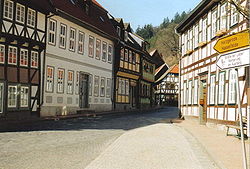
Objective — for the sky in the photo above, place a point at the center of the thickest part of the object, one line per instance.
(141, 12)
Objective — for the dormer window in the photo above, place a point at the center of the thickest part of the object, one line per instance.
(118, 30)
(126, 36)
(87, 9)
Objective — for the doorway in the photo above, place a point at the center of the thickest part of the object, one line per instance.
(83, 90)
(203, 102)
(1, 97)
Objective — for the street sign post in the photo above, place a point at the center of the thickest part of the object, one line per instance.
(235, 59)
(231, 60)
(232, 42)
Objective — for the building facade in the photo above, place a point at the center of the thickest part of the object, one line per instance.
(79, 59)
(207, 92)
(167, 85)
(126, 68)
(22, 46)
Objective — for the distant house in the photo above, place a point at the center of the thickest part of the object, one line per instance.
(167, 85)
(22, 49)
(157, 57)
(127, 68)
(79, 59)
(208, 93)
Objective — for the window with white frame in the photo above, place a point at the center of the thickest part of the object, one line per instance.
(12, 96)
(62, 36)
(12, 55)
(98, 49)
(104, 51)
(52, 32)
(223, 11)
(1, 97)
(102, 90)
(118, 30)
(190, 87)
(90, 84)
(127, 87)
(214, 25)
(91, 46)
(221, 97)
(200, 31)
(108, 89)
(196, 38)
(195, 100)
(81, 38)
(212, 89)
(34, 59)
(77, 83)
(23, 57)
(126, 36)
(185, 93)
(20, 13)
(24, 96)
(8, 9)
(72, 39)
(204, 30)
(2, 53)
(60, 80)
(96, 86)
(50, 79)
(70, 82)
(110, 53)
(232, 87)
(31, 17)
(234, 15)
(126, 55)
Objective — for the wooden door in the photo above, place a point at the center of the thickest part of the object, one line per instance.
(83, 90)
(204, 107)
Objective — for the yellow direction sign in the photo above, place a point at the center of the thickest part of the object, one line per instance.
(232, 42)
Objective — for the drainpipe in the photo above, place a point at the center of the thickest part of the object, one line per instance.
(179, 87)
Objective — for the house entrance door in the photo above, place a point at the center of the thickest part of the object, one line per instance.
(1, 97)
(83, 90)
(203, 102)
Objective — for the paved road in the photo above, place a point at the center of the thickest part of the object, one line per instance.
(77, 143)
(68, 143)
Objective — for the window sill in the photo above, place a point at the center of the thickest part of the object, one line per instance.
(201, 44)
(189, 52)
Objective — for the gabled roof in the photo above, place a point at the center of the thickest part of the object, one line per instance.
(127, 27)
(157, 57)
(97, 19)
(96, 3)
(162, 73)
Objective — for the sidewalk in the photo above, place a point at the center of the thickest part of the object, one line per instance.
(159, 146)
(225, 150)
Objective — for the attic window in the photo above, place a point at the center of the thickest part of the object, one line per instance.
(102, 19)
(73, 1)
(118, 30)
(126, 36)
(87, 9)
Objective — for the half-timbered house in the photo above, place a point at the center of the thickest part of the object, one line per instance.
(207, 92)
(167, 85)
(79, 57)
(22, 46)
(126, 68)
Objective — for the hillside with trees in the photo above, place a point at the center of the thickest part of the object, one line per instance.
(163, 37)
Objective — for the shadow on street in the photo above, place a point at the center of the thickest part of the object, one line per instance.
(123, 122)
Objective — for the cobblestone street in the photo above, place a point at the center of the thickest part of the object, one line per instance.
(75, 143)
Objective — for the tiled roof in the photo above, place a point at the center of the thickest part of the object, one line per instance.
(174, 69)
(95, 2)
(97, 18)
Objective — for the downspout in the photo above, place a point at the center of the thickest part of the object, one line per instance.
(179, 88)
(44, 59)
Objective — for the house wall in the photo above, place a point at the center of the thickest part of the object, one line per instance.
(56, 57)
(198, 65)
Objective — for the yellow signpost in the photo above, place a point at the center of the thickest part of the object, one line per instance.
(232, 42)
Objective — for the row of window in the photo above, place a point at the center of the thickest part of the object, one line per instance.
(102, 49)
(18, 96)
(23, 56)
(129, 60)
(19, 15)
(145, 90)
(220, 19)
(104, 89)
(191, 90)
